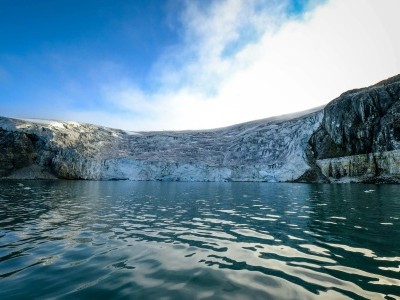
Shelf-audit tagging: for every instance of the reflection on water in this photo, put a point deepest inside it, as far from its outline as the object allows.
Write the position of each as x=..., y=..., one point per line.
x=152, y=240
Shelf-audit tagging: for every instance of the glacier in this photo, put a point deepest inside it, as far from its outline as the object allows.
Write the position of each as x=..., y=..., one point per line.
x=355, y=137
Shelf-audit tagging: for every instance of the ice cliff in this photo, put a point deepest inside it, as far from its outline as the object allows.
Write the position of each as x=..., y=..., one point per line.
x=356, y=137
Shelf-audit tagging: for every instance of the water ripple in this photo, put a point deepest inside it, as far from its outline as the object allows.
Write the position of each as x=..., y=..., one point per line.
x=198, y=241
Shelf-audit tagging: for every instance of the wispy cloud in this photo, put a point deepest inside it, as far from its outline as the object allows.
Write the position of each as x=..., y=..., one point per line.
x=246, y=59
x=211, y=34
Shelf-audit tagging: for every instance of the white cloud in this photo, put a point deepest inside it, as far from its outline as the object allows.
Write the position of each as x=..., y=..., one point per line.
x=302, y=64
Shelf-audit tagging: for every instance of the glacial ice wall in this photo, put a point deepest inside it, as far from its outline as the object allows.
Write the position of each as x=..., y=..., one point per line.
x=264, y=150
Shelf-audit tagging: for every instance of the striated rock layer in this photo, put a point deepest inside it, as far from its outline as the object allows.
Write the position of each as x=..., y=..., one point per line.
x=360, y=134
x=356, y=137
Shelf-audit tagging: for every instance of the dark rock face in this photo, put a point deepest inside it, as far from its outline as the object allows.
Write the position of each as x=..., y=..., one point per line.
x=359, y=136
x=17, y=151
x=360, y=122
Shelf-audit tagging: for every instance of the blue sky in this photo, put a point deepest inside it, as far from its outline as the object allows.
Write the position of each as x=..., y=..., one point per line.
x=186, y=64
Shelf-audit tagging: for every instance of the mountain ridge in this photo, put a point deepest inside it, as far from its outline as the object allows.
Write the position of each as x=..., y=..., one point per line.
x=354, y=138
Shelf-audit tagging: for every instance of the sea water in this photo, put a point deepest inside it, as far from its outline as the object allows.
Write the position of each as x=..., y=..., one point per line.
x=176, y=240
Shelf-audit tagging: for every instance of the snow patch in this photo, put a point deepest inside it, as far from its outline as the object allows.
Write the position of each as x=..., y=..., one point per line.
x=46, y=122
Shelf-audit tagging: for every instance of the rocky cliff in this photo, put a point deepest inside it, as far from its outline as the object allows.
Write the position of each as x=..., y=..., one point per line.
x=359, y=136
x=356, y=137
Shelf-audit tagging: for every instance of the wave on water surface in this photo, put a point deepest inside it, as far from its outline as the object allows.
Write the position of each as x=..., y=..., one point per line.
x=152, y=240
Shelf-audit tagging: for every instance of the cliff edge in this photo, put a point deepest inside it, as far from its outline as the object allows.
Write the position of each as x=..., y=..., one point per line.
x=359, y=136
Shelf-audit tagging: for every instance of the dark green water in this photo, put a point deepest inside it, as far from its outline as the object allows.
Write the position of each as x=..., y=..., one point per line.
x=149, y=240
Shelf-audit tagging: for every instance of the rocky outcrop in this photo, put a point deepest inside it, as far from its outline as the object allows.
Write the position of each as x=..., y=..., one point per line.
x=377, y=167
x=360, y=134
x=17, y=151
x=356, y=137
